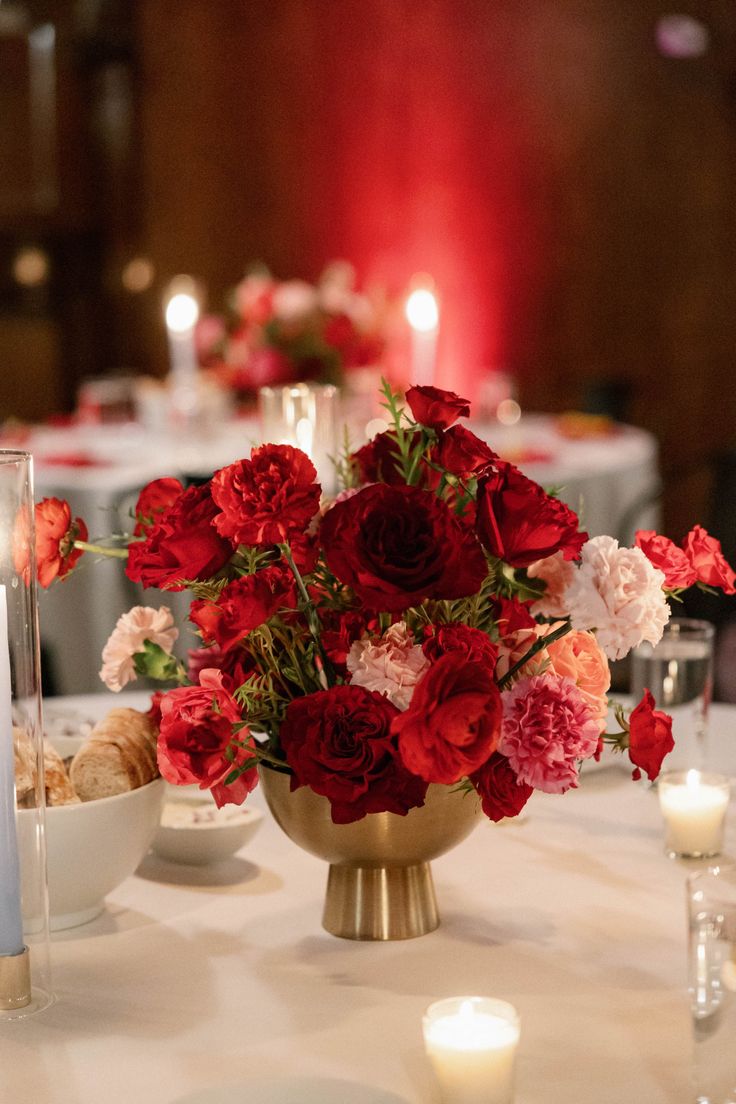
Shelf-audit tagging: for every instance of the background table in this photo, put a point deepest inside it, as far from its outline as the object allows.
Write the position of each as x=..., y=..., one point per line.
x=196, y=982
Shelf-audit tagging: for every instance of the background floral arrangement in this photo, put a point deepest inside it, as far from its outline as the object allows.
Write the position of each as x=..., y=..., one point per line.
x=443, y=620
x=282, y=331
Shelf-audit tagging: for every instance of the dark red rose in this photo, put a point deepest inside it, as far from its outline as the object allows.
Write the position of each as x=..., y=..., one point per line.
x=650, y=737
x=378, y=461
x=340, y=630
x=706, y=556
x=56, y=533
x=154, y=499
x=396, y=546
x=435, y=408
x=664, y=554
x=511, y=615
x=243, y=605
x=518, y=522
x=183, y=544
x=339, y=743
x=501, y=792
x=195, y=734
x=457, y=637
x=463, y=454
x=267, y=499
x=454, y=721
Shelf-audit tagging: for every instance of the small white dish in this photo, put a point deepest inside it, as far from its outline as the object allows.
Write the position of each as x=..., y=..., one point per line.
x=194, y=831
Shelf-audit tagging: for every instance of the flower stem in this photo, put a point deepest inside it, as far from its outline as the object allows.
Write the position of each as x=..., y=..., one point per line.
x=100, y=549
x=540, y=643
x=323, y=666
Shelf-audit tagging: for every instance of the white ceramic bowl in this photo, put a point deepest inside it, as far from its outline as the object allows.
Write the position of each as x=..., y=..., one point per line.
x=92, y=847
x=193, y=830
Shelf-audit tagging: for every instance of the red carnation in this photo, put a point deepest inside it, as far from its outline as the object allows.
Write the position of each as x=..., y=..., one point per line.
x=709, y=563
x=56, y=533
x=462, y=454
x=182, y=544
x=243, y=605
x=396, y=546
x=154, y=499
x=454, y=721
x=340, y=630
x=518, y=522
x=268, y=498
x=457, y=637
x=195, y=735
x=435, y=408
x=650, y=737
x=664, y=554
x=339, y=743
x=501, y=792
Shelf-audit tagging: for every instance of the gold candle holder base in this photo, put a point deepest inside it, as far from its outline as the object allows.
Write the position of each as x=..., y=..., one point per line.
x=15, y=980
x=380, y=902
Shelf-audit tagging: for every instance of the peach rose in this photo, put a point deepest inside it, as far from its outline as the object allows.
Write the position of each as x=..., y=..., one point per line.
x=557, y=573
x=579, y=657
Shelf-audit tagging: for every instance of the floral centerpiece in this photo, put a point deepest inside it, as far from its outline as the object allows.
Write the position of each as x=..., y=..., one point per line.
x=444, y=622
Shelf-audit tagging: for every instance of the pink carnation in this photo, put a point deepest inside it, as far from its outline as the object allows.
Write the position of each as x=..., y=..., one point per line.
x=392, y=665
x=557, y=573
x=139, y=624
x=547, y=727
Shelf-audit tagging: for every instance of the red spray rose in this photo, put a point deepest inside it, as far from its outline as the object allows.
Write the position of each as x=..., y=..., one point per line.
x=457, y=637
x=518, y=522
x=501, y=792
x=55, y=537
x=154, y=499
x=511, y=615
x=268, y=498
x=378, y=461
x=243, y=605
x=196, y=731
x=664, y=554
x=650, y=737
x=182, y=544
x=453, y=723
x=396, y=546
x=706, y=556
x=339, y=743
x=435, y=408
x=463, y=454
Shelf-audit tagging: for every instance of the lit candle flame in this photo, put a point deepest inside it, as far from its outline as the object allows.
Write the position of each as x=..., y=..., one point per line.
x=422, y=310
x=182, y=312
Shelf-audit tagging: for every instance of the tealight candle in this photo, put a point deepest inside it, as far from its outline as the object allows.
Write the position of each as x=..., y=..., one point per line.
x=694, y=808
x=471, y=1043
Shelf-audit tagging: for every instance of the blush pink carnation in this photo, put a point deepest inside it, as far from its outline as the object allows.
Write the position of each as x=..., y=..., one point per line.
x=547, y=727
x=557, y=573
x=618, y=593
x=139, y=624
x=392, y=665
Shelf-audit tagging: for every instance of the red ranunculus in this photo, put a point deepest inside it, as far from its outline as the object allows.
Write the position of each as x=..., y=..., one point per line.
x=463, y=454
x=183, y=544
x=650, y=737
x=501, y=792
x=664, y=554
x=339, y=743
x=154, y=499
x=520, y=523
x=396, y=546
x=453, y=723
x=243, y=605
x=706, y=556
x=435, y=408
x=457, y=637
x=268, y=498
x=56, y=533
x=195, y=734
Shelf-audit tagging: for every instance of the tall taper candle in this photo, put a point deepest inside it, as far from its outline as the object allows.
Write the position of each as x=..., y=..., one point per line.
x=11, y=920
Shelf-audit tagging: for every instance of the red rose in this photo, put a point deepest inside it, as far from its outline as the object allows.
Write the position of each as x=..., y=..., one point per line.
x=454, y=721
x=709, y=563
x=154, y=499
x=339, y=743
x=650, y=737
x=236, y=665
x=664, y=554
x=518, y=522
x=378, y=461
x=55, y=537
x=501, y=792
x=195, y=734
x=457, y=637
x=243, y=605
x=340, y=630
x=182, y=544
x=266, y=499
x=511, y=615
x=435, y=408
x=462, y=454
x=396, y=546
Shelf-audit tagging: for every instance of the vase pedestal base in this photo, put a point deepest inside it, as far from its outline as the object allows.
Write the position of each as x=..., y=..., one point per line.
x=380, y=902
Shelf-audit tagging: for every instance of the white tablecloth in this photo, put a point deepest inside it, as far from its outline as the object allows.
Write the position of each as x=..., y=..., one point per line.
x=218, y=984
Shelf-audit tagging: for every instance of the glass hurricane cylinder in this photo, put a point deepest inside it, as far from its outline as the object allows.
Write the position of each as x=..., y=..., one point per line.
x=303, y=415
x=25, y=985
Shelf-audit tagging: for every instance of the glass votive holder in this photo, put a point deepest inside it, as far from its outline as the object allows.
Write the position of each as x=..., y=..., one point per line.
x=694, y=806
x=303, y=415
x=471, y=1043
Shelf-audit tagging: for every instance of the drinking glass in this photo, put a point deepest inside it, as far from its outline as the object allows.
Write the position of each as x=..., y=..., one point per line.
x=712, y=983
x=304, y=415
x=679, y=674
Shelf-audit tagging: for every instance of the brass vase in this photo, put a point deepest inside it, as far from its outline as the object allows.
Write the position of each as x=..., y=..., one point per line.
x=380, y=883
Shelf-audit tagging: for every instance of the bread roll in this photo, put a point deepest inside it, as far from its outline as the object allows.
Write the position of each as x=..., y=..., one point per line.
x=120, y=755
x=25, y=768
x=59, y=790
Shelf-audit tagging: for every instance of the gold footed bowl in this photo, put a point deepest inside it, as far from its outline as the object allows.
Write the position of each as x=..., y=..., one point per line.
x=380, y=882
